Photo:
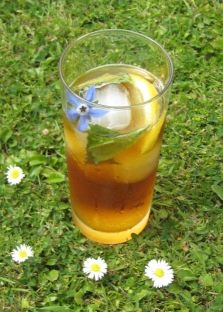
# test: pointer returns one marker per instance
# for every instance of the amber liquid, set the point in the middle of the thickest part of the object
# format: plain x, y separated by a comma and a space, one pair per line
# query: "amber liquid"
108, 206
112, 196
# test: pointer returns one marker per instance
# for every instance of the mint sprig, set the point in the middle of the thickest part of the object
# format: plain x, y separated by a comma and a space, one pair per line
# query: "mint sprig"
104, 79
103, 144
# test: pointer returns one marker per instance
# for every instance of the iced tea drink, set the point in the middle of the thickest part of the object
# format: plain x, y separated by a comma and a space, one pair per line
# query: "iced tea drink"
114, 114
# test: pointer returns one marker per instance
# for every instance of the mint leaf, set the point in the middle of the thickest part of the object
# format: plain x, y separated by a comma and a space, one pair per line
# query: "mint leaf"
103, 144
105, 79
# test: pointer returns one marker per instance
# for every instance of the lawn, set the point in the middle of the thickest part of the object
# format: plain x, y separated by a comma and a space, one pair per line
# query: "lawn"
186, 224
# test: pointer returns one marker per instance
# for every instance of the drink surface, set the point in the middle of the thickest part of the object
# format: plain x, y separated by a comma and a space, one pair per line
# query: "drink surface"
112, 165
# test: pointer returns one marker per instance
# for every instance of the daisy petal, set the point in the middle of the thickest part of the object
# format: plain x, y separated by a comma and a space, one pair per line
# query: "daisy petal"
97, 112
72, 114
72, 99
91, 275
83, 123
90, 94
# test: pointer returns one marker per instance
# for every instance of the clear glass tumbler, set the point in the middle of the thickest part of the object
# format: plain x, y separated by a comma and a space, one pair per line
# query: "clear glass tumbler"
115, 91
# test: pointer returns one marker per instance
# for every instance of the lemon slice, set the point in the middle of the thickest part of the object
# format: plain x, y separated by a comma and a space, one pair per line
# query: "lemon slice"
147, 92
140, 159
140, 91
144, 91
148, 140
143, 116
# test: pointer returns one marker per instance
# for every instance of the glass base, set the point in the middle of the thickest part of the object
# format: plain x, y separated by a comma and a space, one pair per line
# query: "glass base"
112, 237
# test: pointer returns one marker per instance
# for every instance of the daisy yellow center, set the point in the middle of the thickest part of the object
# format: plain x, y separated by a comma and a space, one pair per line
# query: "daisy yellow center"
15, 174
95, 267
22, 254
159, 272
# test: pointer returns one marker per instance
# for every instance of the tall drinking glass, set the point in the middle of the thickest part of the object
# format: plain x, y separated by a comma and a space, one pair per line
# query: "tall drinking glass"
115, 90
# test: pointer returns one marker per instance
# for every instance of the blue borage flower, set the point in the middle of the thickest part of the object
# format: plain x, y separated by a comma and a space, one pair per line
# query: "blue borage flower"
83, 112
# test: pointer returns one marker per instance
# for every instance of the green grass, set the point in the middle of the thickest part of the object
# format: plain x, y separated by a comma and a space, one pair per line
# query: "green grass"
186, 223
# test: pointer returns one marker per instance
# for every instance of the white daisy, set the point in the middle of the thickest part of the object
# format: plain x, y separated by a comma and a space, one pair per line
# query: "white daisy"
160, 272
45, 131
95, 268
21, 253
14, 175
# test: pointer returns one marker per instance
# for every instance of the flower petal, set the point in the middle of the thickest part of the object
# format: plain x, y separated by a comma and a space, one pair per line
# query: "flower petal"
97, 112
90, 94
72, 99
83, 123
72, 114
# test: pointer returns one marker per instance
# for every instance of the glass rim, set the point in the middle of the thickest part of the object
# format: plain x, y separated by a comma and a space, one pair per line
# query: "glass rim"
123, 31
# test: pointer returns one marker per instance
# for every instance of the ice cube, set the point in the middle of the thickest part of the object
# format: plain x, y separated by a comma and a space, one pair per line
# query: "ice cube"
114, 95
